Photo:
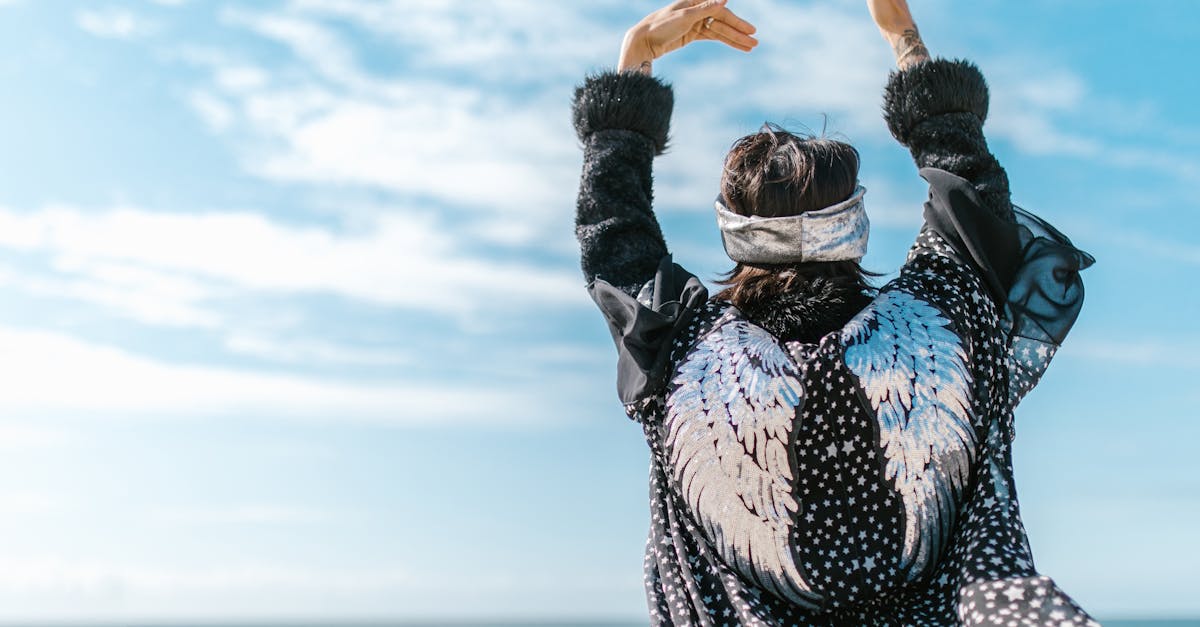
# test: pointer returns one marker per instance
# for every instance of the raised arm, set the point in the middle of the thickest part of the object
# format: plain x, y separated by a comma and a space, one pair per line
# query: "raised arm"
937, 108
622, 119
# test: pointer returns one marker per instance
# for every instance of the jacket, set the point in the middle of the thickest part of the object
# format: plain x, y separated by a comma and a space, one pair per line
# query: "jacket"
866, 478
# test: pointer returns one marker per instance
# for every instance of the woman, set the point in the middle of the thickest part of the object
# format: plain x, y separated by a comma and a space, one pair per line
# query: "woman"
824, 453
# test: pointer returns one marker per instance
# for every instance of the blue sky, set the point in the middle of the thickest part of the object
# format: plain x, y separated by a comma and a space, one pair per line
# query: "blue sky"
292, 323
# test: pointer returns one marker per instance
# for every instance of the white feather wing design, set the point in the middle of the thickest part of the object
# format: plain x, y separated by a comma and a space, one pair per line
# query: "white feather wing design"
728, 432
914, 371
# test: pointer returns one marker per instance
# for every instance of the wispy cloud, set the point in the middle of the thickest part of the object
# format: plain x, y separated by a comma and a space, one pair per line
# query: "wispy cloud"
1054, 112
1137, 352
137, 293
166, 265
309, 351
1159, 245
496, 42
326, 119
115, 23
322, 52
1030, 109
54, 373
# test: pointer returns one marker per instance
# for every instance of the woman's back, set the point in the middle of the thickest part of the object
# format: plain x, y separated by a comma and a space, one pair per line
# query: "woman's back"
862, 479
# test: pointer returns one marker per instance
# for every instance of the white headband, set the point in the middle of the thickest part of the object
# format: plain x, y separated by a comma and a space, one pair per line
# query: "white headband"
835, 233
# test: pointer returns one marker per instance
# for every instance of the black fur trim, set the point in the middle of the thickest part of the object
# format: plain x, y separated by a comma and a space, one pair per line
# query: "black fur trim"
810, 310
933, 88
629, 101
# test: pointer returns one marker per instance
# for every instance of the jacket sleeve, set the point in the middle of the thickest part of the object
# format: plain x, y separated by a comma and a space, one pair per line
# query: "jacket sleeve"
622, 120
937, 109
973, 237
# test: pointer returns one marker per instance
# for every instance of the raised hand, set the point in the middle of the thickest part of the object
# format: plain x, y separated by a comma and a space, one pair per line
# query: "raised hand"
678, 25
896, 24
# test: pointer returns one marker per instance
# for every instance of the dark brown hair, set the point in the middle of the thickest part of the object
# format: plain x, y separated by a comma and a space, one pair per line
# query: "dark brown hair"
775, 173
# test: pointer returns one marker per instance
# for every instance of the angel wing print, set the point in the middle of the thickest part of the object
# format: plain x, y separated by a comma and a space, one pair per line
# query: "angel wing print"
728, 430
913, 370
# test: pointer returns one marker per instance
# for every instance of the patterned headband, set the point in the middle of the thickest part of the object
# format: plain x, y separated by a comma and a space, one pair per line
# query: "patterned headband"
835, 233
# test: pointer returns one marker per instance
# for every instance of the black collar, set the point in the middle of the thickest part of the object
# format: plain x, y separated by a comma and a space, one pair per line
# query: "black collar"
810, 310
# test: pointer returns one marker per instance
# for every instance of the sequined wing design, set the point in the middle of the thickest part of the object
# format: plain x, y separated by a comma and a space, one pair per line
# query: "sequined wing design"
728, 433
913, 370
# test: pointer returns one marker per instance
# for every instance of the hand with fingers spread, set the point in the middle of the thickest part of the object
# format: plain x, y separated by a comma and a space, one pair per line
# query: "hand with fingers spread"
678, 25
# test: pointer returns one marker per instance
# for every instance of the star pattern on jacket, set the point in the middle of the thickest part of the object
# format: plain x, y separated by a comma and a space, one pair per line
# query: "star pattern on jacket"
846, 535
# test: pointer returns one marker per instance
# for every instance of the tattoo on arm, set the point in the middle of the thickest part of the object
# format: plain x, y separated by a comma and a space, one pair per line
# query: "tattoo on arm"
909, 48
646, 68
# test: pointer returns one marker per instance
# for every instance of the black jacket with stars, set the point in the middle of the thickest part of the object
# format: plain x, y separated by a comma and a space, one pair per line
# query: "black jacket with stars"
864, 479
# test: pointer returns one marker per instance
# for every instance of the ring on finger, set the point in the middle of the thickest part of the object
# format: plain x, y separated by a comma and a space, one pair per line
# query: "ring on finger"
708, 21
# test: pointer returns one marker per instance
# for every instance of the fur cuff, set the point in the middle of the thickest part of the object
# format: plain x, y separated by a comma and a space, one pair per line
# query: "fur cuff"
629, 101
933, 88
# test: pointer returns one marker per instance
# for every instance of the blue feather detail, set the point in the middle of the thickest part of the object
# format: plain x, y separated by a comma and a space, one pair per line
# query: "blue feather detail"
913, 370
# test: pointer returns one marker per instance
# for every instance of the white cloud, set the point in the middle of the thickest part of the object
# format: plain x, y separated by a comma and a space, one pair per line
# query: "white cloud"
310, 351
317, 46
49, 372
1137, 352
500, 41
174, 262
133, 292
431, 140
508, 156
1143, 242
241, 77
1027, 109
114, 23
1055, 112
1181, 164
